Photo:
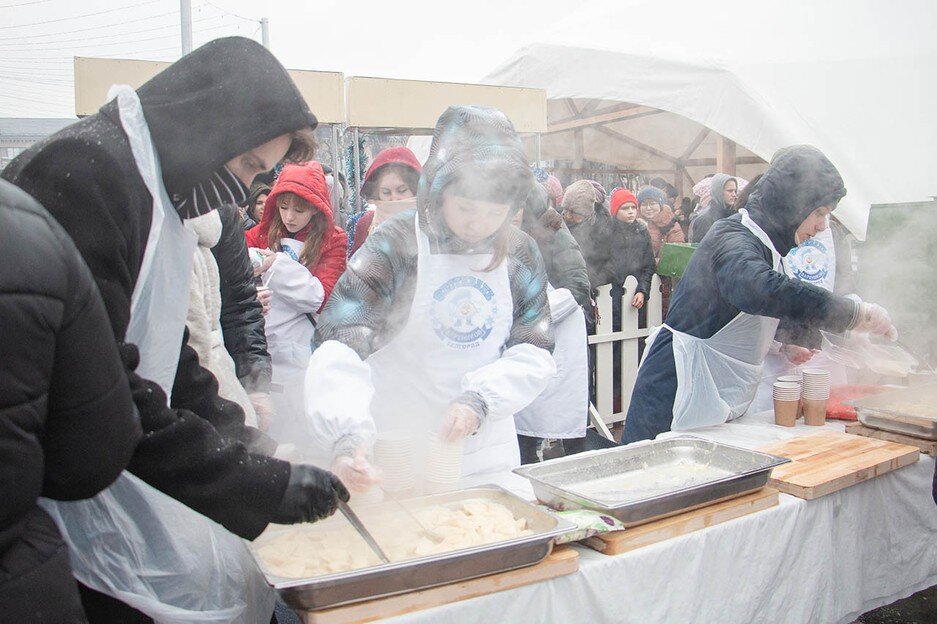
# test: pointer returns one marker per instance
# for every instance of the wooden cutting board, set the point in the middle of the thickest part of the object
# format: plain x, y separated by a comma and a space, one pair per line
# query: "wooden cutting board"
829, 461
618, 542
928, 447
562, 561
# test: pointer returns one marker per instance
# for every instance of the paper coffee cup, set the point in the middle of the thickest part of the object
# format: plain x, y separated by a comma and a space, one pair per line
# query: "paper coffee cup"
814, 412
785, 412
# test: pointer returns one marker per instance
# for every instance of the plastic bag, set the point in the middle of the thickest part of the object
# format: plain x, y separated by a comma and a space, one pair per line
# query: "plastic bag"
136, 544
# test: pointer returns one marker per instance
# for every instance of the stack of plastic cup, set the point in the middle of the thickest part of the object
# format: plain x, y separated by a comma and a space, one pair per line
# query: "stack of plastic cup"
786, 403
815, 395
443, 465
394, 455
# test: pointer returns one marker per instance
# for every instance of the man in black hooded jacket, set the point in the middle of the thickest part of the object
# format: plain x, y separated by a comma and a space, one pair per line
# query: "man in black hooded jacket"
212, 137
732, 272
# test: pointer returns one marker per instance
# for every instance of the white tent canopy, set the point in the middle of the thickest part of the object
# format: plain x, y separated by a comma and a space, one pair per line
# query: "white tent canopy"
852, 77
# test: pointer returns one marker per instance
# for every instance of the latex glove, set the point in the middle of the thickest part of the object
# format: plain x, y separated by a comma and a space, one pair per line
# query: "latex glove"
461, 421
268, 259
357, 472
638, 300
263, 406
874, 319
263, 296
797, 355
311, 494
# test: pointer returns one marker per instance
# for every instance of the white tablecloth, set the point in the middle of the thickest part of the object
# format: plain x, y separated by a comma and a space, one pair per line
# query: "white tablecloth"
827, 560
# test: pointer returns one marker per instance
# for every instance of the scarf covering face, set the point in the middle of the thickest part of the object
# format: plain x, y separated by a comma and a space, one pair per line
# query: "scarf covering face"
222, 188
477, 147
799, 180
200, 115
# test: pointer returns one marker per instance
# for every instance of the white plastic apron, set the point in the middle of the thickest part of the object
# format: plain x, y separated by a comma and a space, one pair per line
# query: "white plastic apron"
814, 262
289, 341
717, 377
131, 541
561, 410
459, 320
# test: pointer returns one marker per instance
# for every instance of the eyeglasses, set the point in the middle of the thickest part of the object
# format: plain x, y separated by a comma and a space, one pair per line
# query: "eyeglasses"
573, 213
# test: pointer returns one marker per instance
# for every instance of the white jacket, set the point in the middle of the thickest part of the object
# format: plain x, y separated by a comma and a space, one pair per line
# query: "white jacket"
204, 315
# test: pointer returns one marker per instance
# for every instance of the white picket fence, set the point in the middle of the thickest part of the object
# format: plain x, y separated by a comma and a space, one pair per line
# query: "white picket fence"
630, 336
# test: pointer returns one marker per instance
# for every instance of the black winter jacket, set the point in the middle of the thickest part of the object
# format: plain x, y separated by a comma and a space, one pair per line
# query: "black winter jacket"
600, 241
85, 175
636, 257
732, 271
562, 257
67, 423
242, 323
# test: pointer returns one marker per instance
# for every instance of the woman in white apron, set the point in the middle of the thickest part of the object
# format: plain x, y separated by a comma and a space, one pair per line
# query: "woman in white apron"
304, 255
441, 323
704, 365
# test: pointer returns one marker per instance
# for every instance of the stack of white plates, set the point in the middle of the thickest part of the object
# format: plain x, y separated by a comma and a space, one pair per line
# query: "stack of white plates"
443, 464
816, 384
394, 455
786, 391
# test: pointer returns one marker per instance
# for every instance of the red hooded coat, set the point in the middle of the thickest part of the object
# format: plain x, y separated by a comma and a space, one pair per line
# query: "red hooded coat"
398, 155
307, 181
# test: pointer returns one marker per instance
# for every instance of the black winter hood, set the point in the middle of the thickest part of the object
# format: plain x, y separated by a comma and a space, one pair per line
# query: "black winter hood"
477, 149
201, 115
799, 180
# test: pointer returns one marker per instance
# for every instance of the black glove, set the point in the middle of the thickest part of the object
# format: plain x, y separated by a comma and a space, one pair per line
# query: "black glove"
311, 494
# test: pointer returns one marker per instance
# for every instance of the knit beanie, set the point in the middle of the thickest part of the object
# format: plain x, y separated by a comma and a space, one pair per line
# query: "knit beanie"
620, 197
649, 193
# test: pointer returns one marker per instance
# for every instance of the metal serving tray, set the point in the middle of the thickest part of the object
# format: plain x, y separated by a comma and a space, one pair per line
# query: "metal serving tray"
331, 590
887, 411
559, 483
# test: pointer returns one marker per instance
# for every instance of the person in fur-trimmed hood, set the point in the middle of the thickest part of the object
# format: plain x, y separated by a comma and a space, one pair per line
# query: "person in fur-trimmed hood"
441, 325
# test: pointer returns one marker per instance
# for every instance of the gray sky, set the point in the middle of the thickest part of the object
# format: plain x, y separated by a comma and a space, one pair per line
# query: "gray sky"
418, 39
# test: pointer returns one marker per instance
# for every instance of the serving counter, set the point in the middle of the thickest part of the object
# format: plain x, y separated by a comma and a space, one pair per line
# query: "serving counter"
825, 560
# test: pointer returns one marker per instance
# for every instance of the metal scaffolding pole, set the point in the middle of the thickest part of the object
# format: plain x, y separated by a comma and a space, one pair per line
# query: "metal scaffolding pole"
357, 187
337, 185
185, 11
265, 32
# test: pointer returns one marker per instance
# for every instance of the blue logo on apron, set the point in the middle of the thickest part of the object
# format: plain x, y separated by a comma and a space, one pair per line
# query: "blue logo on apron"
290, 252
810, 262
463, 312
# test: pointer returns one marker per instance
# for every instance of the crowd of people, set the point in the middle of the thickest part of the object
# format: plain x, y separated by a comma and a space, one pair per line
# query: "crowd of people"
228, 348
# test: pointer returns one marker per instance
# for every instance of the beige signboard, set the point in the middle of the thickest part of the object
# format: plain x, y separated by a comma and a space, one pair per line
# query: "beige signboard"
414, 104
323, 91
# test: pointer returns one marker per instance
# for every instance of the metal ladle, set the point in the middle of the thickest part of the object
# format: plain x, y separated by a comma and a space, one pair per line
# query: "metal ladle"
363, 532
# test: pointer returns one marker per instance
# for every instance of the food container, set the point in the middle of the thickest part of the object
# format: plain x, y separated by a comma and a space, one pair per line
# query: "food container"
858, 353
330, 590
649, 481
909, 411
